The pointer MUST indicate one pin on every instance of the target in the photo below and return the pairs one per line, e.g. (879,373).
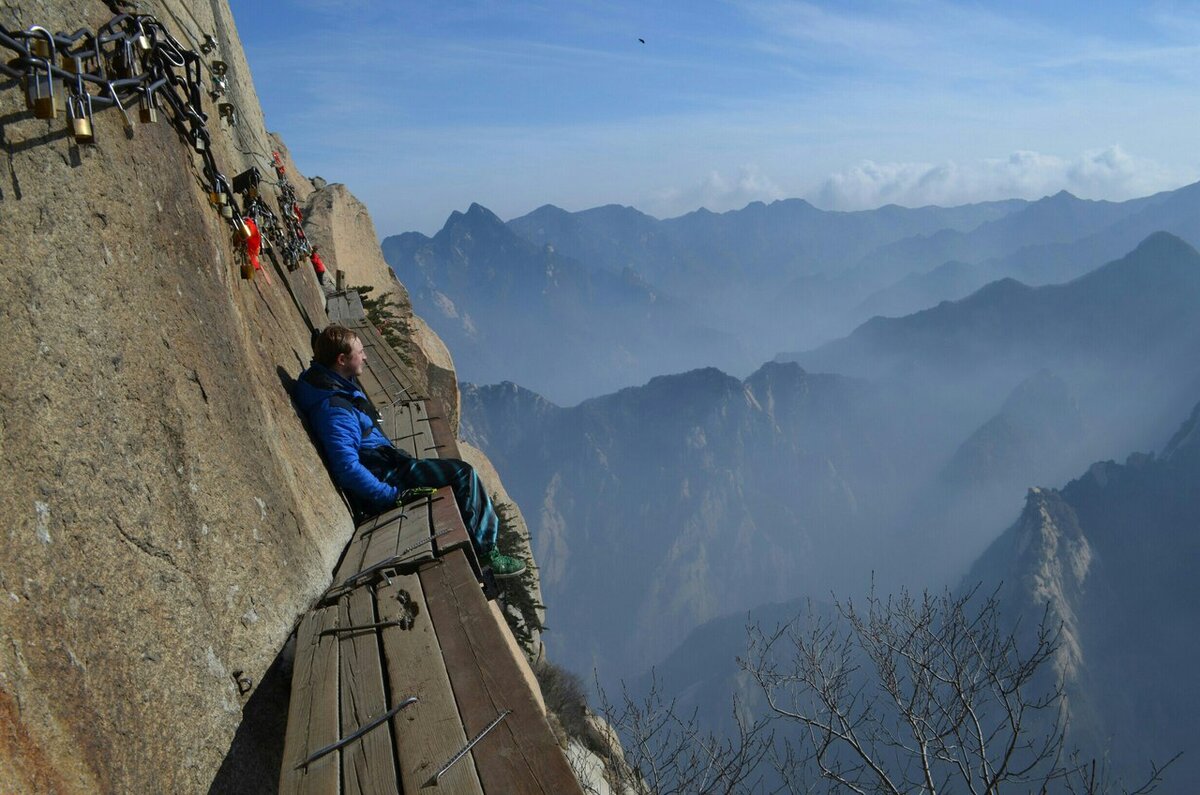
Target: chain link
(132,58)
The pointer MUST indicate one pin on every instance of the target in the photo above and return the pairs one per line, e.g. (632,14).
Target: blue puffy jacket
(345,429)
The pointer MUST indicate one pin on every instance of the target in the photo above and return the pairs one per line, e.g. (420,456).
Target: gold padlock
(46,105)
(226,211)
(82,129)
(142,40)
(248,271)
(79,108)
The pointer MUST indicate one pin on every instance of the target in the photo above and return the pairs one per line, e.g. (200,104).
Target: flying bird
(643,41)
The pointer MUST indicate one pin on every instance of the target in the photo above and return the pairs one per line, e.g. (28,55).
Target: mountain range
(1109,557)
(700,493)
(511,309)
(634,296)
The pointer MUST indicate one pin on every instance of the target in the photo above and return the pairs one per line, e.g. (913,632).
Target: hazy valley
(1030,340)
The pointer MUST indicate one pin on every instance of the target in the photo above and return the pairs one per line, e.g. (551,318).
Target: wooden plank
(445,516)
(383,543)
(402,534)
(429,732)
(427,445)
(367,763)
(313,710)
(380,360)
(345,309)
(386,353)
(398,427)
(415,528)
(371,387)
(439,428)
(352,561)
(520,756)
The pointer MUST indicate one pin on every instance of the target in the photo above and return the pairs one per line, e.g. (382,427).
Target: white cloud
(1109,173)
(717,192)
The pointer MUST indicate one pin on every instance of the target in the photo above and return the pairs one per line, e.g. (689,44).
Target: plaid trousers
(473,501)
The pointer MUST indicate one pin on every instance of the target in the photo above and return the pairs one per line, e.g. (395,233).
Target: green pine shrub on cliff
(521,609)
(385,317)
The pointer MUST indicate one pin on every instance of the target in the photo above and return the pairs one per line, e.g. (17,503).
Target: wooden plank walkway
(405,616)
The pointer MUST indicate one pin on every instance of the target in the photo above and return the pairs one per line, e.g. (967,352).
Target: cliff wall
(167,517)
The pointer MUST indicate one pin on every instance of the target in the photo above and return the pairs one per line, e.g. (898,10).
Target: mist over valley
(664,491)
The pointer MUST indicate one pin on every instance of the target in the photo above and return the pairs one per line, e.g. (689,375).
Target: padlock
(147,108)
(46,104)
(142,40)
(248,272)
(226,211)
(79,108)
(198,140)
(220,84)
(125,62)
(247,181)
(244,229)
(26,81)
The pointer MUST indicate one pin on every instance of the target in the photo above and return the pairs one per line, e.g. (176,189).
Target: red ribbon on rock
(254,247)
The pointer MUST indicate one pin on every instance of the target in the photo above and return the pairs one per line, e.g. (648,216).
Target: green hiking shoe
(502,566)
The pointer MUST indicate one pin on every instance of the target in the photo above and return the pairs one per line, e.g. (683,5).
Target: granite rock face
(167,517)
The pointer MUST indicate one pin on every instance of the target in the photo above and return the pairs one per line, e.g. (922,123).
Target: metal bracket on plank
(452,761)
(359,732)
(355,580)
(361,627)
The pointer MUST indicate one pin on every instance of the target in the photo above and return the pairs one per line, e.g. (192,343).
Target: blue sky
(423,108)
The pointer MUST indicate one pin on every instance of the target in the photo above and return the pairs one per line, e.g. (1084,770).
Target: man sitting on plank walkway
(363,461)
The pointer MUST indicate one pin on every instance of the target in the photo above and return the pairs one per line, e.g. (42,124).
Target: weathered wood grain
(429,732)
(313,721)
(367,763)
(520,756)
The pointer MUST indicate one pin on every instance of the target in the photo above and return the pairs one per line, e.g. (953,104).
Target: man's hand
(412,495)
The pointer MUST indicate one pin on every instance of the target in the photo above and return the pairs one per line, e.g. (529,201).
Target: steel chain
(132,58)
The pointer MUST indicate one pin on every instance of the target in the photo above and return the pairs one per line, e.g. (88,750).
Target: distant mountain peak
(476,217)
(477,210)
(1164,243)
(1187,437)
